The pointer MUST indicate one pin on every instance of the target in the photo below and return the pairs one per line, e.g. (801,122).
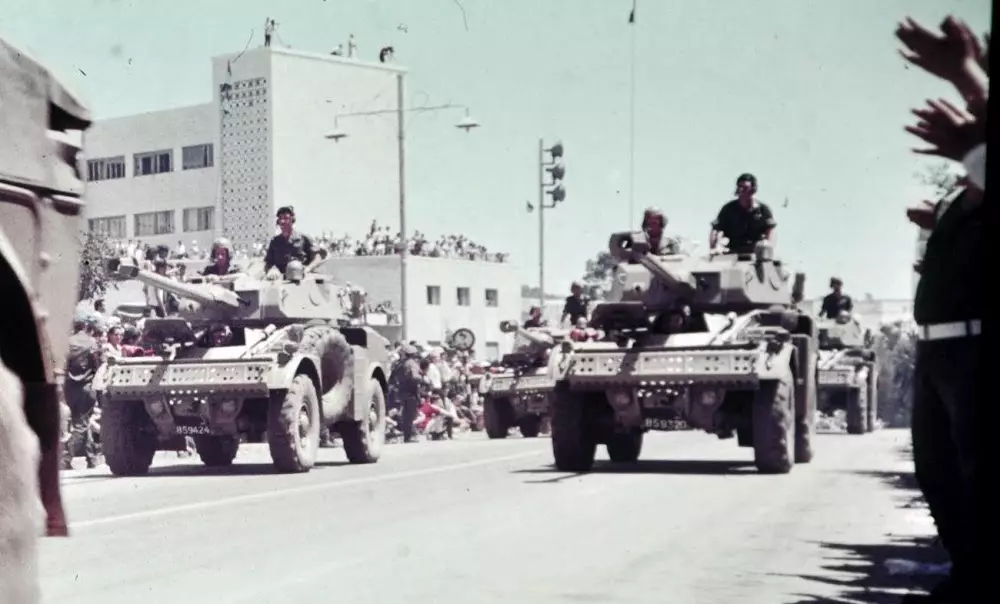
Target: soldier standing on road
(836,301)
(410,381)
(576,305)
(744,221)
(948,308)
(81,364)
(287,246)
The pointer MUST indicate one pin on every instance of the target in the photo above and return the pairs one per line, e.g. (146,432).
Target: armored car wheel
(496,417)
(857,410)
(128,438)
(774,425)
(363,439)
(217,451)
(574,444)
(293,423)
(806,396)
(530,426)
(624,447)
(872,397)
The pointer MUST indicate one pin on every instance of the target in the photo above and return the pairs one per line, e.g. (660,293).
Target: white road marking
(263,495)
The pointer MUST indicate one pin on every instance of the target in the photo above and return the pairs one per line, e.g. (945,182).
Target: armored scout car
(714,341)
(847,377)
(520,394)
(246,356)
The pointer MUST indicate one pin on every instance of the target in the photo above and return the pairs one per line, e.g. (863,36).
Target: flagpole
(631,142)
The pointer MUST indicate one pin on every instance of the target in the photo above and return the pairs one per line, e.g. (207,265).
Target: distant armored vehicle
(847,375)
(245,356)
(520,394)
(715,341)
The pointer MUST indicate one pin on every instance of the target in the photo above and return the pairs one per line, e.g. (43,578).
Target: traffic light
(557,169)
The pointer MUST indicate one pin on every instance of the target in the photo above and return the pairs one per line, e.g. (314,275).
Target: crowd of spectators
(379,241)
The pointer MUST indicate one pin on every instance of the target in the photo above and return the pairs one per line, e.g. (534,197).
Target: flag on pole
(631,15)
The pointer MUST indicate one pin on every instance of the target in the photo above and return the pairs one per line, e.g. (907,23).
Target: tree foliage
(94,280)
(941,177)
(896,348)
(596,279)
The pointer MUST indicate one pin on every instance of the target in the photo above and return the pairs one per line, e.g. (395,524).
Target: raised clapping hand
(944,56)
(950,131)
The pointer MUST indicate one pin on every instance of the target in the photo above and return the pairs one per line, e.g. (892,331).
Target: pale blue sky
(810,96)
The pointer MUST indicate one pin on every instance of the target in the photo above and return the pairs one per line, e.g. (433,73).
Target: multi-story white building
(223,167)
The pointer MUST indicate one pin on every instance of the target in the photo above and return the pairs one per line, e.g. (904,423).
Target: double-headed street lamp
(467,123)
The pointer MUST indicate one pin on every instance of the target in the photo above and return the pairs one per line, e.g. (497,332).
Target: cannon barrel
(205,294)
(540,339)
(634,247)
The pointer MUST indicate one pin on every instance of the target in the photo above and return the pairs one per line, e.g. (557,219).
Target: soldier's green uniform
(948,307)
(81,364)
(409,390)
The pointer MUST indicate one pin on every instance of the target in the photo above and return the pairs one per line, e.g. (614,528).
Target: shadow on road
(860,570)
(650,466)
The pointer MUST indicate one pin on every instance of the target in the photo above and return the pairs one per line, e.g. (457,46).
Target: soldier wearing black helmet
(744,221)
(288,245)
(836,301)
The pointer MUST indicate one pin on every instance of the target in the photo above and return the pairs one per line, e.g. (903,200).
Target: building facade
(443,295)
(223,167)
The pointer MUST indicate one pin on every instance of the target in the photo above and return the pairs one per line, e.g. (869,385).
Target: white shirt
(434,376)
(975,165)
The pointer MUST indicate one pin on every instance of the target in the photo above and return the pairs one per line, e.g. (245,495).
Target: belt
(947,331)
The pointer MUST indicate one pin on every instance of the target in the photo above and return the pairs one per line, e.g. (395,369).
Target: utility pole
(557,191)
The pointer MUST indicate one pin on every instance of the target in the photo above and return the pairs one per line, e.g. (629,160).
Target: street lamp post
(467,124)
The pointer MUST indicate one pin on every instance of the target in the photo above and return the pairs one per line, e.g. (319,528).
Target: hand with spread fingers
(951,132)
(955,56)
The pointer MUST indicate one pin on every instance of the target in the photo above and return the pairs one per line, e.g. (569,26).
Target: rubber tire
(856,404)
(288,452)
(217,451)
(774,425)
(496,417)
(530,426)
(129,439)
(574,445)
(805,415)
(872,397)
(362,441)
(624,448)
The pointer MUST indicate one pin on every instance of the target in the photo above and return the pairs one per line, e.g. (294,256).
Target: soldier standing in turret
(836,301)
(287,246)
(222,257)
(744,221)
(653,224)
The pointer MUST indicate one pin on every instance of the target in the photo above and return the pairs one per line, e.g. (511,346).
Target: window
(492,298)
(154,223)
(112,227)
(196,156)
(199,219)
(433,295)
(106,168)
(154,162)
(492,351)
(464,297)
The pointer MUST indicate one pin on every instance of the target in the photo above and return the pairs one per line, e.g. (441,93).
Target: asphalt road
(488,521)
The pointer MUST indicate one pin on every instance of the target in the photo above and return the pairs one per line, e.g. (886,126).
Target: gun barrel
(634,247)
(202,293)
(541,339)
